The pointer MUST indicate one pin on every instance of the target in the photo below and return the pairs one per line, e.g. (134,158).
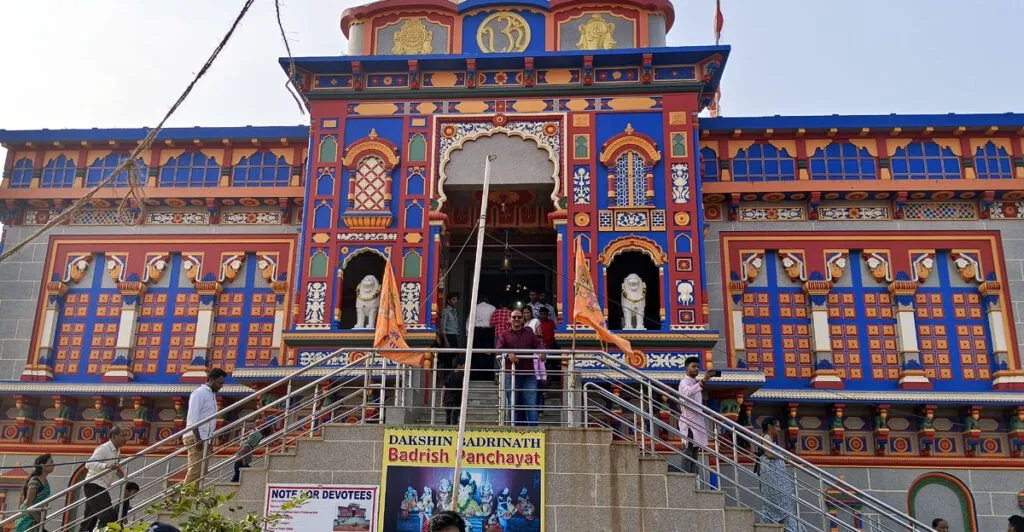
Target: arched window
(630,180)
(630,158)
(325,182)
(101,169)
(763,162)
(369,162)
(992,162)
(190,169)
(318,264)
(842,160)
(417,148)
(925,160)
(322,215)
(411,264)
(59,173)
(21,177)
(261,169)
(708,165)
(328,149)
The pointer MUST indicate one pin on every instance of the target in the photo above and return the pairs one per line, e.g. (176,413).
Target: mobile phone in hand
(712,373)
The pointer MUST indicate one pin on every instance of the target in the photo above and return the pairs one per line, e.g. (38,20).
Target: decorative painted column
(926,429)
(64,418)
(792,428)
(972,430)
(1005,377)
(104,419)
(120,369)
(837,431)
(280,289)
(25,420)
(42,370)
(881,433)
(912,375)
(208,290)
(736,335)
(825,376)
(142,411)
(1016,434)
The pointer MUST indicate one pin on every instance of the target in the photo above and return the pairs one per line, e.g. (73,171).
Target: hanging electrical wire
(130,161)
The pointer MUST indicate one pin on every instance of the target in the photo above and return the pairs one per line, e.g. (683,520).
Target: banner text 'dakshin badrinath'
(483,449)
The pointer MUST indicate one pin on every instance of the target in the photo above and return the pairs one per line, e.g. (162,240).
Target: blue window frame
(842,160)
(21,175)
(100,169)
(763,162)
(925,160)
(190,169)
(708,165)
(58,173)
(261,169)
(992,162)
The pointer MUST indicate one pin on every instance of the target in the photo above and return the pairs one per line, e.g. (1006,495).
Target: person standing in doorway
(99,507)
(449,330)
(483,336)
(202,404)
(691,425)
(521,392)
(542,302)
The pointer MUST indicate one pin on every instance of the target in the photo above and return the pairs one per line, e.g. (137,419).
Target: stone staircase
(483,406)
(591,482)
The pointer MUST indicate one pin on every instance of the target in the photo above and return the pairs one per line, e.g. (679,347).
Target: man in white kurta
(691,424)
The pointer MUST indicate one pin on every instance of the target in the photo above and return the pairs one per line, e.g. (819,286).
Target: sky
(106,63)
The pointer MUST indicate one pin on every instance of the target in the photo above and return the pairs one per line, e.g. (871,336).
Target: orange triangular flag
(390,330)
(586,310)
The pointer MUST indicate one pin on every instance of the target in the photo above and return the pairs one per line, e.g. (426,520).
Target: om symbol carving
(503,32)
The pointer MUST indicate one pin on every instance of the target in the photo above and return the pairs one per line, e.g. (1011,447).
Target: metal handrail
(797,462)
(571,388)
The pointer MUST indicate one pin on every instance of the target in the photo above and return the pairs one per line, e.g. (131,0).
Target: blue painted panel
(325,184)
(414,215)
(322,216)
(611,124)
(471,25)
(169,320)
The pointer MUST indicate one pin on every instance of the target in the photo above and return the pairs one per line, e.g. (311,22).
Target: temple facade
(859,277)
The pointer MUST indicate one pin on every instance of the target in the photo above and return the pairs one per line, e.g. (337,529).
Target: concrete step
(739,519)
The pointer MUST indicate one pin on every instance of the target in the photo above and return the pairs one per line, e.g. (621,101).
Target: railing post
(432,380)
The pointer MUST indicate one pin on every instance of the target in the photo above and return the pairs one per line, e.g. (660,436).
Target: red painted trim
(369,11)
(663,6)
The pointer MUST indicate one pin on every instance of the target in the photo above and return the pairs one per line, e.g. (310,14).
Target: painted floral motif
(316,302)
(252,217)
(771,214)
(411,303)
(681,182)
(368,237)
(581,186)
(631,219)
(853,213)
(178,217)
(1007,209)
(454,133)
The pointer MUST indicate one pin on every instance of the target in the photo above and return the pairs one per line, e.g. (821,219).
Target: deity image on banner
(491,500)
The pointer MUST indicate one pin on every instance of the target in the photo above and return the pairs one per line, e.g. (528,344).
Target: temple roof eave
(989,398)
(780,125)
(297,134)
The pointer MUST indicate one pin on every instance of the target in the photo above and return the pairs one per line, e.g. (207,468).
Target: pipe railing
(374,383)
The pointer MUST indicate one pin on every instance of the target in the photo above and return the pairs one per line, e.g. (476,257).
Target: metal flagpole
(470,328)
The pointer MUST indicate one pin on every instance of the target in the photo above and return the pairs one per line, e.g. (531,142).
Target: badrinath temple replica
(859,277)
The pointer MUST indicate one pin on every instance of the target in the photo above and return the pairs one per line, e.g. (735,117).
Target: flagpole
(470,329)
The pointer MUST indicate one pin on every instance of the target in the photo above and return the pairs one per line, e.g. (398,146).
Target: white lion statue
(367,302)
(634,299)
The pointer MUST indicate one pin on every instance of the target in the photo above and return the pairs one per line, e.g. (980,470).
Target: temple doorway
(520,244)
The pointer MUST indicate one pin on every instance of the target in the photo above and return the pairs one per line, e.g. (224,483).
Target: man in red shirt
(521,391)
(501,321)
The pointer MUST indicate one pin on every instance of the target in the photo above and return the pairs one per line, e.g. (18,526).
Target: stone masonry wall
(21,275)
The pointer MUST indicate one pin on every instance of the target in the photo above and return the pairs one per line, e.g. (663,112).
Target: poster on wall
(500,488)
(328,507)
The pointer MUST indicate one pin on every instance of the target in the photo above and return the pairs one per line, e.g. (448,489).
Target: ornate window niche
(630,158)
(370,162)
